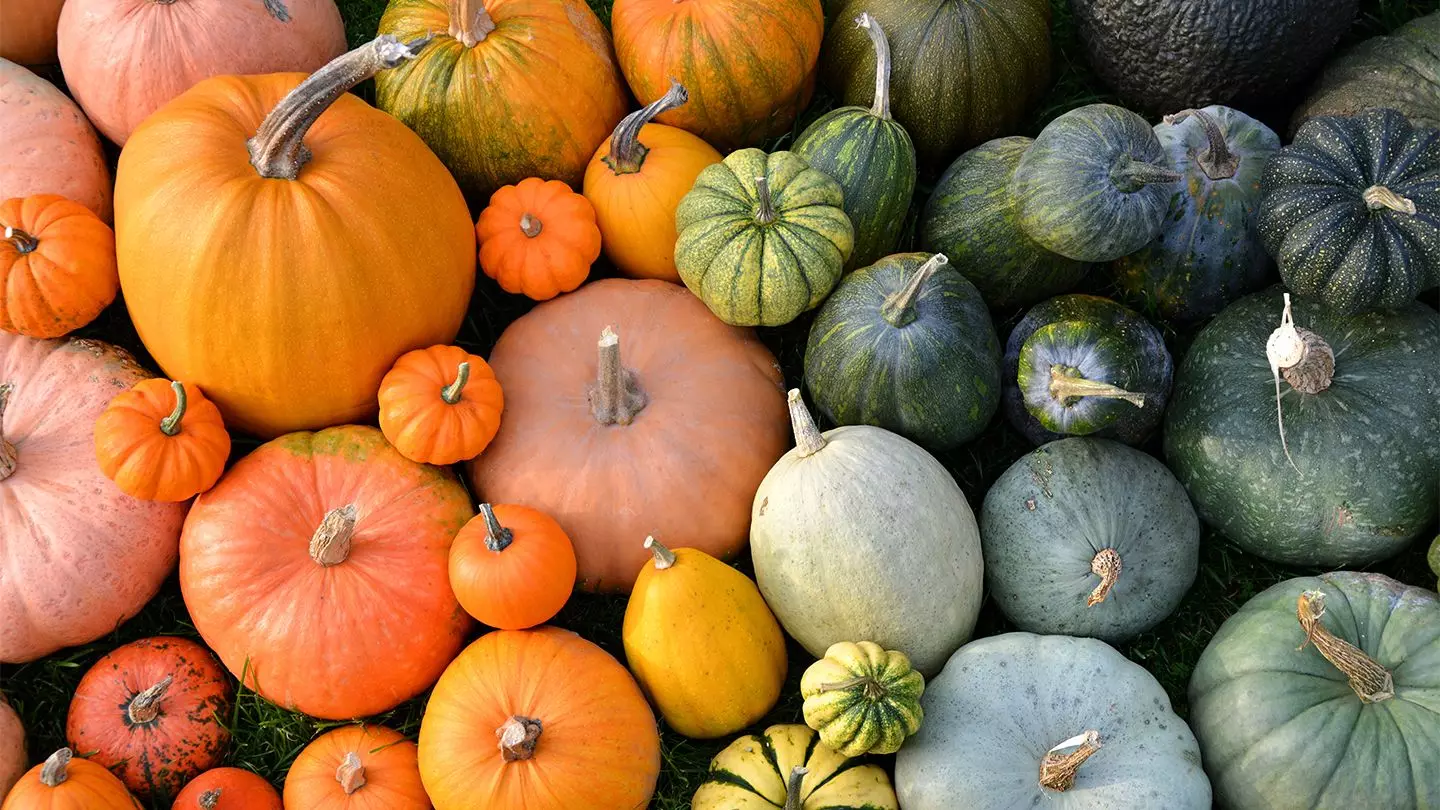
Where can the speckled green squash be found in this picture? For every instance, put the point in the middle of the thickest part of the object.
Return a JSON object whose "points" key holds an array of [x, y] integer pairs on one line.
{"points": [[759, 253], [1088, 537], [862, 698], [1400, 71], [1366, 449], [1207, 253], [1351, 211], [972, 219], [1280, 726], [906, 344], [1094, 185], [1080, 365]]}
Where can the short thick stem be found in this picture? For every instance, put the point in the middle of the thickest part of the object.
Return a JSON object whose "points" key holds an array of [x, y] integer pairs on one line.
{"points": [[627, 154], [1305, 360], [330, 545], [1130, 175], [145, 706], [1057, 770], [1215, 160], [881, 106], [57, 768], [616, 397], [808, 440], [1378, 197], [1316, 368], [170, 425], [8, 455], [351, 773], [497, 537], [277, 9], [530, 225], [451, 393], [518, 738], [1067, 386], [1106, 565], [664, 557], [899, 308], [210, 799], [795, 788], [765, 208], [23, 241], [470, 23], [1372, 683]]}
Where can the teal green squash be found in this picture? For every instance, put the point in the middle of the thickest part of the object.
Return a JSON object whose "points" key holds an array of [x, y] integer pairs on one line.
{"points": [[1323, 693], [972, 219], [1207, 253], [1080, 365], [1400, 71], [1088, 537], [1095, 184], [906, 344], [762, 238], [1355, 477], [1351, 211], [965, 71], [870, 155]]}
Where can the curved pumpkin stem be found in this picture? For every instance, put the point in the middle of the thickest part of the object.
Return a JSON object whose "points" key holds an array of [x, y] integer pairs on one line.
{"points": [[57, 768], [1066, 385], [664, 557], [497, 537], [518, 738], [1377, 197], [1130, 175], [8, 455], [170, 425], [330, 544], [145, 706], [794, 787], [351, 773], [1106, 565], [1216, 159], [899, 308], [627, 154], [808, 440], [880, 108], [1057, 770], [1372, 682], [616, 397], [470, 22], [452, 392], [874, 690], [765, 210], [23, 241], [210, 799]]}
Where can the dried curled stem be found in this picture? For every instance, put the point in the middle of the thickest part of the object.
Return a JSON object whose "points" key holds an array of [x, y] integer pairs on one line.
{"points": [[1057, 770], [1371, 682]]}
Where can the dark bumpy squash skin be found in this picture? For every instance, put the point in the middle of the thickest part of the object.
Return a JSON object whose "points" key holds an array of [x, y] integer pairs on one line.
{"points": [[965, 70], [1166, 55], [1351, 211], [1366, 447], [973, 220], [1207, 253], [906, 344], [1094, 185], [1401, 72], [1078, 365]]}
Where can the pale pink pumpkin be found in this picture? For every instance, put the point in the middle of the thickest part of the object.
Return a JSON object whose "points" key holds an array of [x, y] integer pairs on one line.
{"points": [[13, 762], [80, 556], [46, 145], [27, 36]]}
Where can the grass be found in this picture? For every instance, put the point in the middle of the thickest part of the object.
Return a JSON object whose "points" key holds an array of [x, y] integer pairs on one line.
{"points": [[266, 738]]}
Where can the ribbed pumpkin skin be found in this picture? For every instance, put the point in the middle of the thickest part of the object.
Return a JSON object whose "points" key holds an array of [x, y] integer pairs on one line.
{"points": [[1332, 245], [1207, 253], [1400, 71], [67, 279], [934, 380], [532, 99], [965, 70], [1280, 726], [1366, 447], [862, 698], [239, 790], [752, 771], [972, 218], [392, 775]]}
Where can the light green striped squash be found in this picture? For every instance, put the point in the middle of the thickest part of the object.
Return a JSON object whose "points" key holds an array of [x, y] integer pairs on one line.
{"points": [[862, 698], [762, 238], [870, 155], [789, 767]]}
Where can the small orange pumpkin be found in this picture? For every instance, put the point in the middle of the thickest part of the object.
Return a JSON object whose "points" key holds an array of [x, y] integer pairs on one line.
{"points": [[65, 783], [538, 238], [512, 567], [356, 768], [228, 789], [440, 405], [57, 266], [162, 441]]}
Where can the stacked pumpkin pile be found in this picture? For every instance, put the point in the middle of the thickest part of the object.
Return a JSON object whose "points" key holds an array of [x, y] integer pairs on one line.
{"points": [[299, 264]]}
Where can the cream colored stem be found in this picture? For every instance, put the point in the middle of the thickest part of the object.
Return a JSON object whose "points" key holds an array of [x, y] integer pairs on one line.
{"points": [[57, 768], [664, 557], [1372, 683], [881, 106], [497, 537], [1068, 388], [765, 212], [145, 706], [470, 22], [330, 544], [627, 154], [451, 393], [23, 241], [8, 455], [518, 738], [1215, 160], [170, 425], [1378, 197], [808, 440], [794, 787], [616, 397], [1057, 770], [1106, 565], [899, 308], [351, 773]]}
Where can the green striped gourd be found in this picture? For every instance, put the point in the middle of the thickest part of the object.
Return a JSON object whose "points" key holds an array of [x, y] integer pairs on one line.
{"points": [[862, 698]]}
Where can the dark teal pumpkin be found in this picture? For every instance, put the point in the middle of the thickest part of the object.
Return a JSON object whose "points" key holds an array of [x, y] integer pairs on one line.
{"points": [[1207, 253], [1351, 211], [906, 344], [1081, 365], [973, 220], [1095, 184], [1365, 446]]}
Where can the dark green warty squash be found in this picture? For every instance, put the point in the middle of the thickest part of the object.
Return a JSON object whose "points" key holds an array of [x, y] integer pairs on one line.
{"points": [[1094, 185], [1351, 211], [973, 220], [1400, 71], [906, 344], [1082, 365], [965, 71], [1323, 693], [1355, 477], [762, 238], [1207, 253], [870, 156]]}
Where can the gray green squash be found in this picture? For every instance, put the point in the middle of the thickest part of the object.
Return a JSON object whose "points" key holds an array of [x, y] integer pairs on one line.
{"points": [[1400, 71]]}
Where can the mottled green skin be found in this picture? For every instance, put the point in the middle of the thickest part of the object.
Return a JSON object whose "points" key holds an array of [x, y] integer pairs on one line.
{"points": [[965, 71], [1367, 447], [1400, 71], [1105, 342], [1434, 557], [1069, 192], [1280, 727], [1329, 244], [1207, 253], [934, 380], [754, 274], [874, 162], [973, 220], [1047, 517]]}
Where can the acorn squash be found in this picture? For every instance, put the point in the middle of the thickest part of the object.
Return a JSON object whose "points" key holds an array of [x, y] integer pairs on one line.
{"points": [[788, 767]]}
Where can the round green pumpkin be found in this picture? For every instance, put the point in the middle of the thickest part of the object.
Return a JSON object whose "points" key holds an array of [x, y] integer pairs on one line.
{"points": [[1351, 211], [1207, 253], [1280, 725], [972, 219], [762, 238], [1095, 184], [965, 70], [862, 698], [870, 155], [906, 344], [1400, 71], [1365, 449], [1089, 537], [1080, 365]]}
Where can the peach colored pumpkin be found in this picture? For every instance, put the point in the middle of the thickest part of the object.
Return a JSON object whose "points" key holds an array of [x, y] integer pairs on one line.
{"points": [[124, 59], [80, 555], [27, 36], [48, 145], [13, 762]]}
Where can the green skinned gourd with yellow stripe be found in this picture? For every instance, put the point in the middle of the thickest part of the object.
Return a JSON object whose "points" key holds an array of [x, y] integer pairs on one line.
{"points": [[789, 767], [862, 698]]}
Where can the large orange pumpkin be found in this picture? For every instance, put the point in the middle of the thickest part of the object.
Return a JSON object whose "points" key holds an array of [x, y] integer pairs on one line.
{"points": [[356, 768], [749, 65], [13, 760], [573, 730], [666, 428], [48, 145], [319, 569], [65, 782], [56, 505], [27, 34], [57, 266], [284, 273], [228, 789]]}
